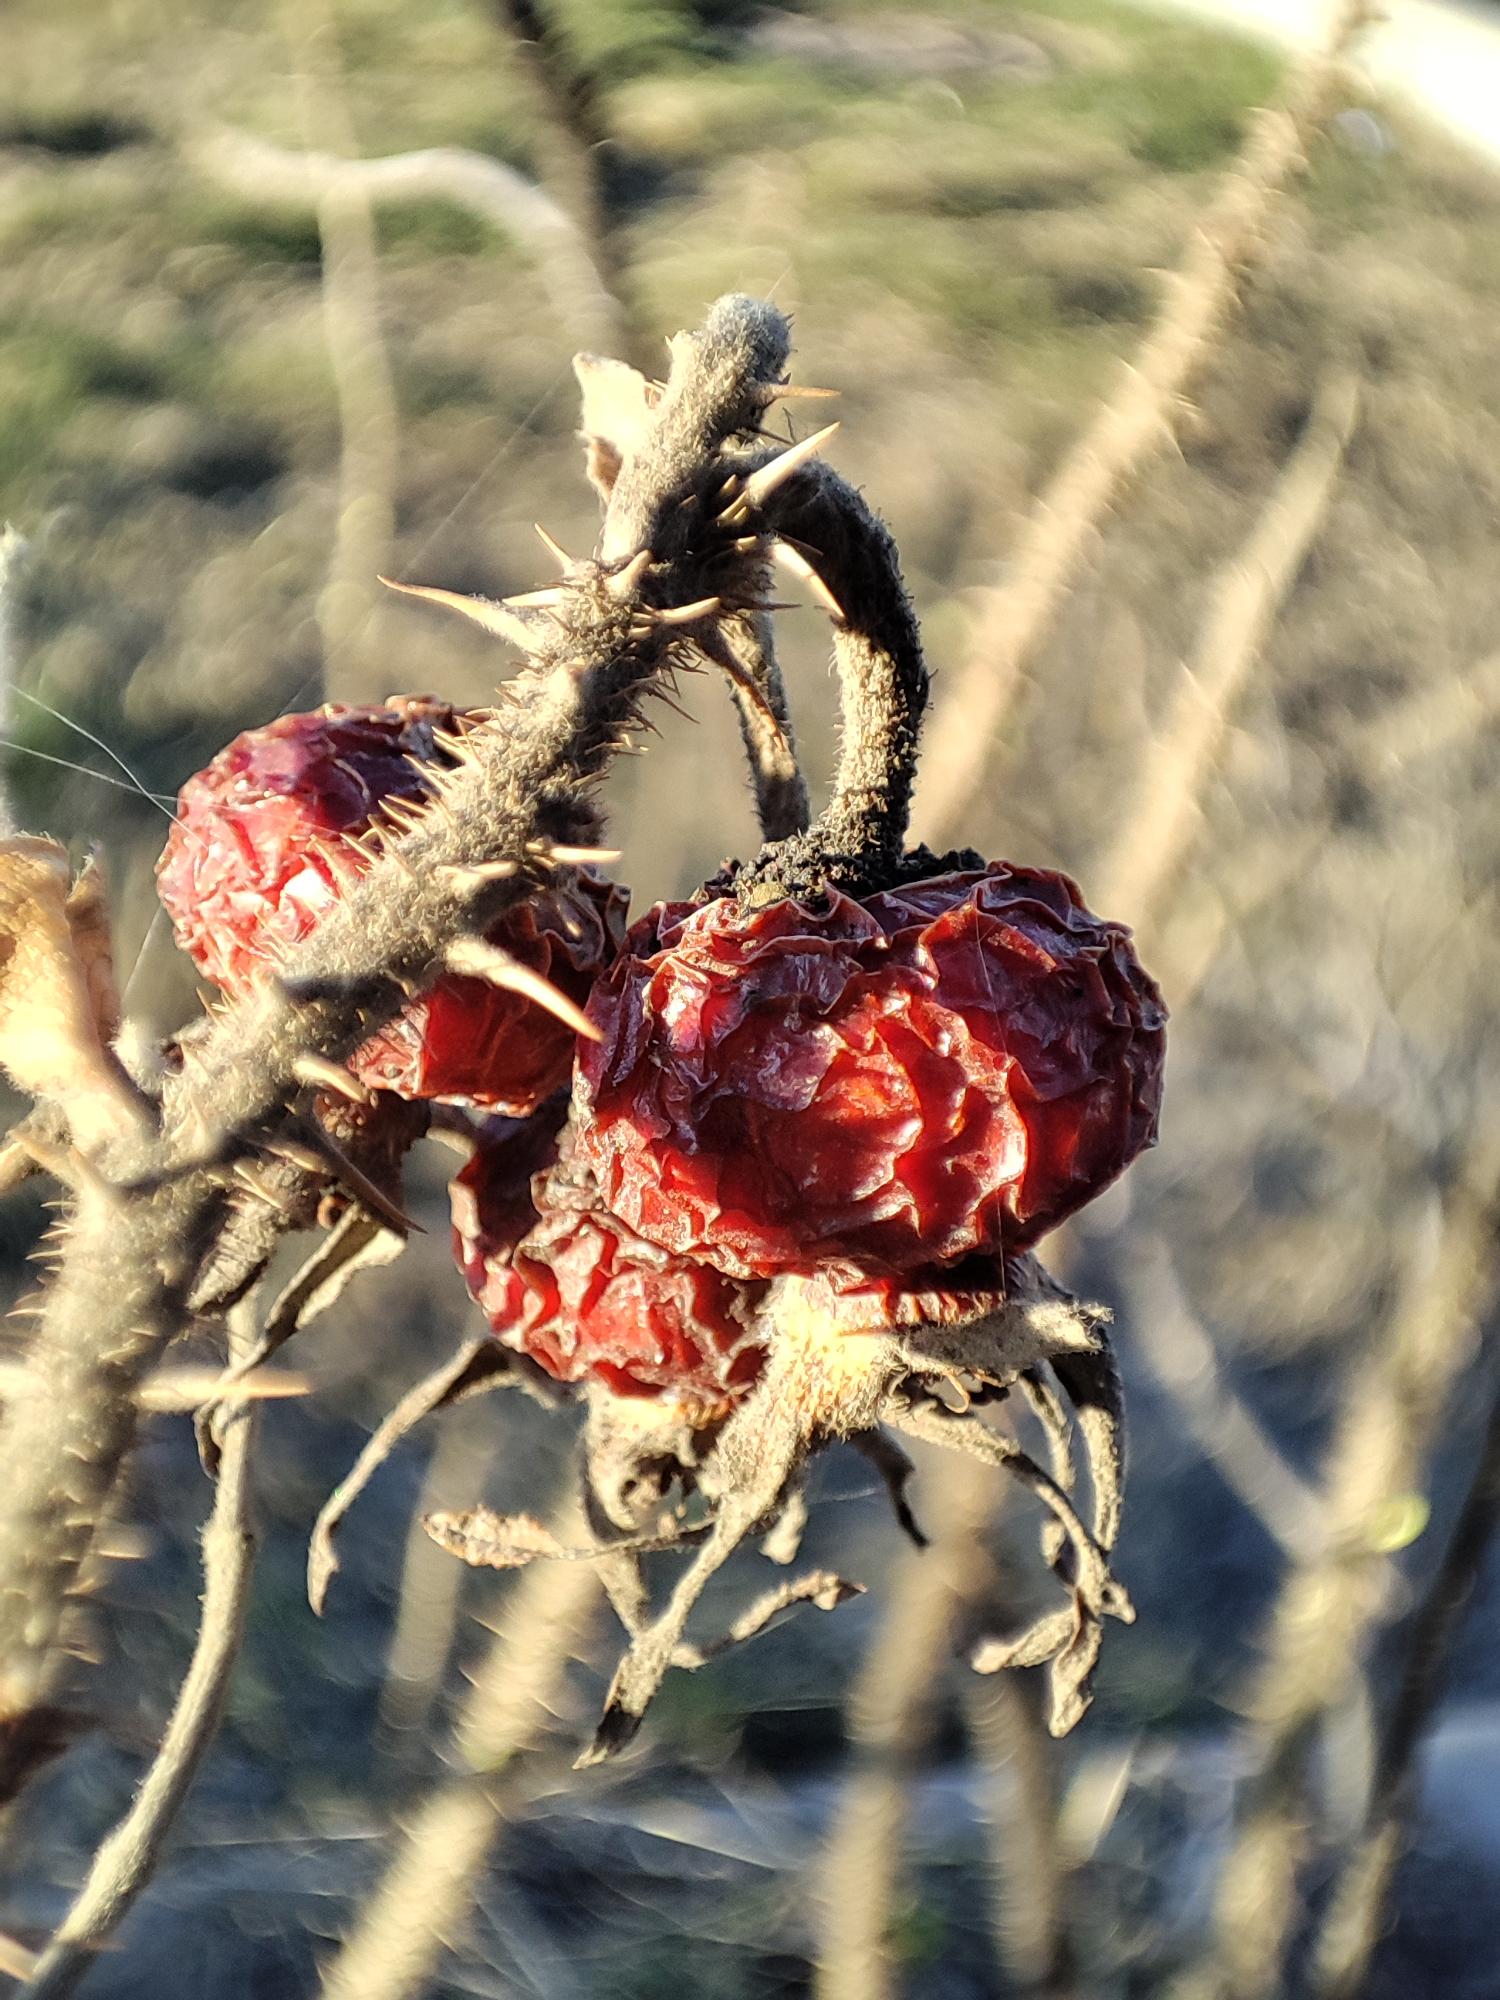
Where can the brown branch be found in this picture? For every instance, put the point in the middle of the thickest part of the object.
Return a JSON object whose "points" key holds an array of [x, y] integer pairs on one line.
{"points": [[1350, 1929], [148, 1209], [128, 1858], [425, 1896], [1135, 421]]}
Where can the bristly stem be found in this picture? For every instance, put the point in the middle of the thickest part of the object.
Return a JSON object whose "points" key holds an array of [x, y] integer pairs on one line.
{"points": [[149, 1208], [858, 842], [126, 1861]]}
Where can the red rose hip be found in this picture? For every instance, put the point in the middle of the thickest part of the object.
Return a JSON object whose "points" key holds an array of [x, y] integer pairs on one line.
{"points": [[267, 837], [946, 1069], [569, 1285]]}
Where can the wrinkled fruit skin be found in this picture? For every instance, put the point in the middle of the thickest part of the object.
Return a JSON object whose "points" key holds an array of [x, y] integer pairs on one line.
{"points": [[572, 1287], [945, 1070], [264, 843]]}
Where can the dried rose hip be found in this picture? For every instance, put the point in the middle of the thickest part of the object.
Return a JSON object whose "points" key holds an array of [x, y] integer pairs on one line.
{"points": [[265, 839], [571, 1286], [944, 1069]]}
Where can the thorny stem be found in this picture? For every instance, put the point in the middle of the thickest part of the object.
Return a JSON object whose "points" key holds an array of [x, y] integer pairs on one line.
{"points": [[858, 841], [124, 1864], [150, 1207]]}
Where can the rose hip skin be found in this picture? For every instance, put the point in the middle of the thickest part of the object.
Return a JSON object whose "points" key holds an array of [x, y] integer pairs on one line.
{"points": [[265, 841], [947, 1069], [574, 1289]]}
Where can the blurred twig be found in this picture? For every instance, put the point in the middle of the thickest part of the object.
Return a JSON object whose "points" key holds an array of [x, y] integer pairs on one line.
{"points": [[1243, 606], [426, 1895], [1136, 420], [891, 1720], [575, 147], [1390, 1413], [1351, 1927], [257, 171], [125, 1862], [1181, 1357], [1029, 1862], [363, 387], [14, 550]]}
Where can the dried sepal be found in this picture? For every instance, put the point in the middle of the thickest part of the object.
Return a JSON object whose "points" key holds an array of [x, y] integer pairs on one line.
{"points": [[59, 1004]]}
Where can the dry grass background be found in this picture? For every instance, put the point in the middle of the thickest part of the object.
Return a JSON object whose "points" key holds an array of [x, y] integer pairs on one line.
{"points": [[204, 405]]}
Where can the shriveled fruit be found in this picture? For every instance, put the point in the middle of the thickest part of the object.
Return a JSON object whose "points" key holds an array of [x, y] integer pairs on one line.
{"points": [[267, 837], [568, 1284], [946, 1069]]}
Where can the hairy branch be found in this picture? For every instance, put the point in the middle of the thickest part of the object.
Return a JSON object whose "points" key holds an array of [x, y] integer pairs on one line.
{"points": [[126, 1861], [148, 1208]]}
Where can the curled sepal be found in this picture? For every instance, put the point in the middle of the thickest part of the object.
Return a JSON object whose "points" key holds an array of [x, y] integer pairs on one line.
{"points": [[59, 1006]]}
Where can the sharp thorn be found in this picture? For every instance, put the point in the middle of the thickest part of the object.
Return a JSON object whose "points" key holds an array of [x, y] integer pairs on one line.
{"points": [[763, 483], [553, 547], [797, 392], [685, 614], [484, 612], [476, 959], [582, 857], [792, 559], [467, 876], [625, 582], [322, 1073], [535, 600]]}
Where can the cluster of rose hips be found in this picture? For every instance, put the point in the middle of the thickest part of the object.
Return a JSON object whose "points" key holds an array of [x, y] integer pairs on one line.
{"points": [[760, 1171], [896, 1094]]}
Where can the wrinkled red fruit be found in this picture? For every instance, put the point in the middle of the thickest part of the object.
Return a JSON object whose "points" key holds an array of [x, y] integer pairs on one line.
{"points": [[265, 841], [948, 1068], [574, 1289]]}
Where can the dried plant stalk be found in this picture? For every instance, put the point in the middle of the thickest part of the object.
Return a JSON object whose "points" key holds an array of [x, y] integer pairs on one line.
{"points": [[1243, 606], [1391, 1410], [891, 1720], [364, 391], [1029, 1865], [255, 170], [1137, 419], [425, 1897], [575, 142], [127, 1859], [1351, 1928], [148, 1208]]}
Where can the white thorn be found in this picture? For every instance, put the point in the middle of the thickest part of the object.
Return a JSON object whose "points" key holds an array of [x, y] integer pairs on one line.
{"points": [[762, 484], [554, 548], [684, 614], [482, 611], [794, 560], [324, 1074], [475, 959], [625, 582]]}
